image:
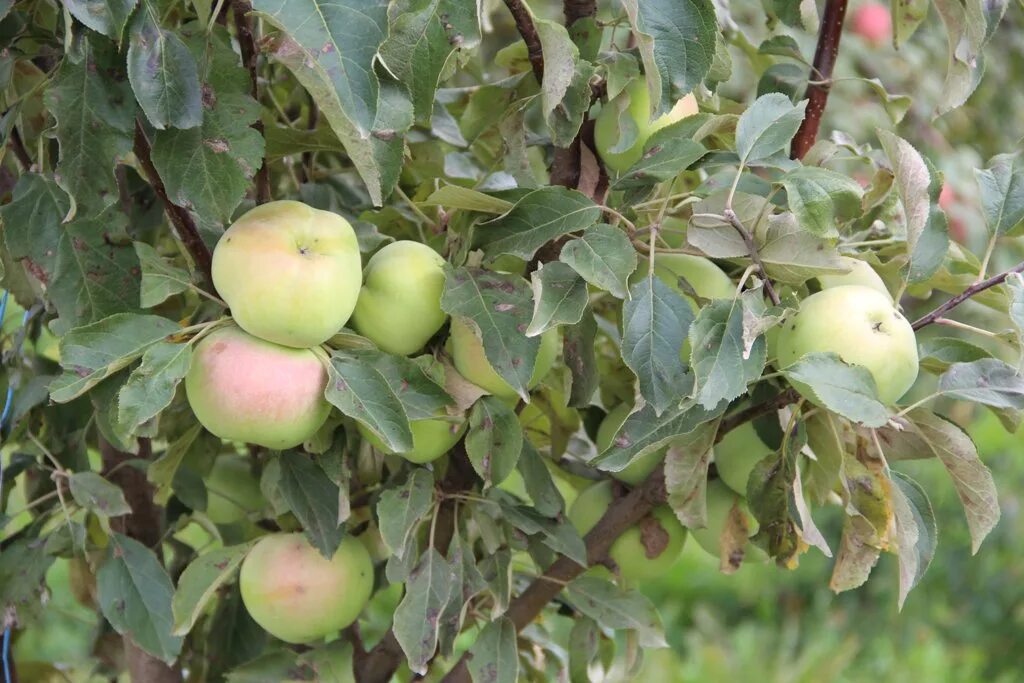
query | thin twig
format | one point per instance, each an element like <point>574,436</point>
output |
<point>247,43</point>
<point>524,23</point>
<point>180,218</point>
<point>817,92</point>
<point>748,239</point>
<point>965,295</point>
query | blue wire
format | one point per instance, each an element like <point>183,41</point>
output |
<point>7,650</point>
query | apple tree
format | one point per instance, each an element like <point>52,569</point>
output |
<point>362,340</point>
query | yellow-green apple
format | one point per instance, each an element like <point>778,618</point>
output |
<point>242,388</point>
<point>720,501</point>
<point>289,273</point>
<point>399,306</point>
<point>431,438</point>
<point>858,273</point>
<point>647,549</point>
<point>737,453</point>
<point>232,492</point>
<point>706,279</point>
<point>298,595</point>
<point>468,355</point>
<point>637,100</point>
<point>639,469</point>
<point>862,326</point>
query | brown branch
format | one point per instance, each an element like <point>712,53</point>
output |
<point>247,43</point>
<point>965,295</point>
<point>144,524</point>
<point>821,76</point>
<point>17,146</point>
<point>621,515</point>
<point>748,239</point>
<point>184,227</point>
<point>524,23</point>
<point>575,10</point>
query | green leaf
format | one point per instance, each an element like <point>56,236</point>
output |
<point>767,126</point>
<point>938,353</point>
<point>584,642</point>
<point>818,197</point>
<point>539,484</point>
<point>906,17</point>
<point>313,498</point>
<point>96,494</point>
<point>423,40</point>
<point>969,26</point>
<point>1015,285</point>
<point>360,389</point>
<point>420,395</point>
<point>565,119</point>
<point>163,73</point>
<point>792,254</point>
<point>580,357</point>
<point>499,307</point>
<point>494,656</point>
<point>557,534</point>
<point>92,353</point>
<point>151,386</point>
<point>988,381</point>
<point>200,582</point>
<point>916,531</point>
<point>537,218</point>
<point>456,197</point>
<point>565,91</point>
<point>104,16</point>
<point>604,257</point>
<point>677,44</point>
<point>769,492</point>
<point>644,431</point>
<point>95,114</point>
<point>559,297</point>
<point>468,583</point>
<point>135,595</point>
<point>401,509</point>
<point>160,278</point>
<point>1002,193</point>
<point>195,442</point>
<point>331,47</point>
<point>667,153</point>
<point>896,106</point>
<point>417,617</point>
<point>494,440</point>
<point>722,364</point>
<point>655,321</point>
<point>848,390</point>
<point>619,609</point>
<point>23,565</point>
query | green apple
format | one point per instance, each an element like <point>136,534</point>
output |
<point>859,273</point>
<point>647,549</point>
<point>637,100</point>
<point>516,485</point>
<point>242,388</point>
<point>289,273</point>
<point>737,453</point>
<point>639,469</point>
<point>431,438</point>
<point>232,492</point>
<point>298,595</point>
<point>399,306</point>
<point>862,326</point>
<point>706,279</point>
<point>720,501</point>
<point>673,231</point>
<point>470,360</point>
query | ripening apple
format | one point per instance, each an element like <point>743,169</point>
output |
<point>858,273</point>
<point>399,306</point>
<point>737,453</point>
<point>242,388</point>
<point>289,273</point>
<point>647,549</point>
<point>862,326</point>
<point>232,491</point>
<point>470,360</point>
<point>720,500</point>
<point>703,276</point>
<point>873,22</point>
<point>298,595</point>
<point>639,469</point>
<point>637,100</point>
<point>431,438</point>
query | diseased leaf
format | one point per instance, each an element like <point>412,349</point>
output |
<point>104,16</point>
<point>581,358</point>
<point>604,257</point>
<point>916,531</point>
<point>494,657</point>
<point>538,217</point>
<point>96,494</point>
<point>721,363</point>
<point>313,499</point>
<point>644,431</point>
<point>400,510</point>
<point>988,381</point>
<point>200,581</point>
<point>135,595</point>
<point>361,390</point>
<point>494,440</point>
<point>686,474</point>
<point>23,566</point>
<point>848,390</point>
<point>615,608</point>
<point>557,534</point>
<point>559,297</point>
<point>427,592</point>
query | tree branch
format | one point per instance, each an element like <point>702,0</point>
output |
<point>748,239</point>
<point>144,524</point>
<point>821,76</point>
<point>180,218</point>
<point>524,23</point>
<point>621,515</point>
<point>965,295</point>
<point>247,43</point>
